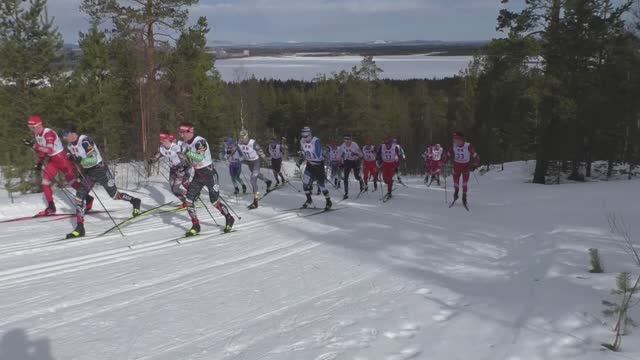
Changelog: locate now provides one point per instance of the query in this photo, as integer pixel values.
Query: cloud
(324, 20)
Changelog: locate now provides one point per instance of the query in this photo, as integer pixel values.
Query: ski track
(401, 280)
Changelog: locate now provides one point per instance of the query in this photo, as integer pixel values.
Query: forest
(560, 86)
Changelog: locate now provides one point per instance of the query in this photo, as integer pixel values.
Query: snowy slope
(409, 279)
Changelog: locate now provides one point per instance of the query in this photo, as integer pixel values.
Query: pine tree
(29, 44)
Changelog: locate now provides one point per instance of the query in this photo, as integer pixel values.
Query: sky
(256, 21)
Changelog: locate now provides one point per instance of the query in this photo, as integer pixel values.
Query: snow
(408, 279)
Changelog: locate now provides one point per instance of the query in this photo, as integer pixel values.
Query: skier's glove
(38, 167)
(28, 142)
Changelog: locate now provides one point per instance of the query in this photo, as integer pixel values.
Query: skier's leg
(254, 176)
(49, 173)
(176, 179)
(347, 170)
(456, 181)
(307, 183)
(192, 194)
(465, 181)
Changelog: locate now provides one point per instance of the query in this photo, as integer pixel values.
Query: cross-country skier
(369, 164)
(434, 157)
(198, 152)
(253, 153)
(180, 170)
(351, 155)
(311, 149)
(401, 156)
(426, 156)
(462, 153)
(93, 170)
(335, 163)
(50, 152)
(388, 156)
(276, 153)
(233, 156)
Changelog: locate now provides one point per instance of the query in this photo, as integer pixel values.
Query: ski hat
(34, 120)
(347, 137)
(387, 140)
(305, 132)
(68, 129)
(172, 137)
(244, 133)
(367, 140)
(229, 141)
(458, 135)
(165, 136)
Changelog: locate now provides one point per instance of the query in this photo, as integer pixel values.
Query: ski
(32, 217)
(452, 203)
(208, 234)
(322, 211)
(128, 220)
(386, 198)
(68, 216)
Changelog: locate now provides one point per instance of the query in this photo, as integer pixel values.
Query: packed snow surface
(406, 279)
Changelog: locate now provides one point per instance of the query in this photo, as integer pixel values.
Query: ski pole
(230, 208)
(85, 182)
(446, 200)
(475, 177)
(209, 211)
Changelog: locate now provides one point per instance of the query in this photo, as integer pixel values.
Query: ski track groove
(271, 253)
(241, 322)
(130, 230)
(20, 275)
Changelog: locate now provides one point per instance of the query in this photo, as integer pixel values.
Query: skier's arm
(474, 155)
(50, 138)
(259, 150)
(155, 157)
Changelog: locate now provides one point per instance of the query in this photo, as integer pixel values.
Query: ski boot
(335, 183)
(76, 233)
(50, 210)
(307, 204)
(345, 197)
(88, 203)
(464, 200)
(455, 195)
(269, 182)
(229, 220)
(277, 182)
(375, 186)
(236, 191)
(195, 230)
(136, 207)
(366, 188)
(254, 204)
(328, 204)
(244, 189)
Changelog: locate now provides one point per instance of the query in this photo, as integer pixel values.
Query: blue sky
(325, 20)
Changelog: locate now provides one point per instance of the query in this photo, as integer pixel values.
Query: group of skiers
(191, 167)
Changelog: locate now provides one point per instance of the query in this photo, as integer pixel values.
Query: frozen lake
(308, 67)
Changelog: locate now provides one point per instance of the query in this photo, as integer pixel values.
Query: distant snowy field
(408, 279)
(308, 67)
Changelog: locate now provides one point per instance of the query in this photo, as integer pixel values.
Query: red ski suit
(49, 149)
(461, 156)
